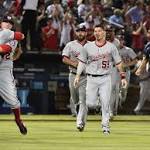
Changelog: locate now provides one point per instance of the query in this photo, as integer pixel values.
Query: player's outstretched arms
(4, 48)
(18, 36)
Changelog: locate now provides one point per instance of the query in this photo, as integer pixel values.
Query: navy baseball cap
(109, 28)
(80, 28)
(8, 19)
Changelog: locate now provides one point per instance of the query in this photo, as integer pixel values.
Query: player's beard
(81, 38)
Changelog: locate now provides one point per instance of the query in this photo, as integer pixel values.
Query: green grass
(58, 132)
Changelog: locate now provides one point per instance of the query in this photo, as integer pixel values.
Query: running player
(7, 85)
(98, 57)
(141, 70)
(110, 36)
(129, 59)
(144, 83)
(71, 52)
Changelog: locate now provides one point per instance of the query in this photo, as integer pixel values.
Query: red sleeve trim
(122, 75)
(65, 56)
(82, 61)
(5, 48)
(18, 36)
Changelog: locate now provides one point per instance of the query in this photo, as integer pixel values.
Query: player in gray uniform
(144, 83)
(110, 36)
(70, 54)
(98, 57)
(129, 59)
(7, 85)
(141, 71)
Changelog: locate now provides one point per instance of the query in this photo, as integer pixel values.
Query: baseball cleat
(80, 127)
(22, 127)
(106, 132)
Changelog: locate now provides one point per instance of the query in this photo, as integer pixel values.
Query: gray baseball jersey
(7, 84)
(127, 54)
(72, 50)
(6, 35)
(116, 42)
(99, 59)
(7, 60)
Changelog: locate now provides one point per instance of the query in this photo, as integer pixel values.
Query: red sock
(17, 113)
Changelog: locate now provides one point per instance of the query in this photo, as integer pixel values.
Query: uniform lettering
(76, 53)
(6, 56)
(105, 64)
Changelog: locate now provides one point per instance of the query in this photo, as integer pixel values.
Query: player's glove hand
(124, 83)
(76, 81)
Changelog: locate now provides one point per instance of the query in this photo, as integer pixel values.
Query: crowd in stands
(50, 24)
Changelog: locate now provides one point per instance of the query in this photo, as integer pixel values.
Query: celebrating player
(7, 85)
(98, 57)
(144, 76)
(71, 52)
(115, 80)
(146, 57)
(129, 59)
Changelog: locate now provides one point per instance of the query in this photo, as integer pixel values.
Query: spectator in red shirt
(138, 35)
(50, 36)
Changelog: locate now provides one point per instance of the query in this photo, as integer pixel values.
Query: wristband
(5, 48)
(18, 36)
(122, 75)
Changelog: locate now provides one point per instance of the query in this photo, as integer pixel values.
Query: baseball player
(73, 107)
(110, 36)
(129, 59)
(144, 83)
(70, 54)
(98, 57)
(141, 70)
(7, 85)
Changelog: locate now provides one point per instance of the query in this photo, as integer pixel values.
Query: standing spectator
(82, 11)
(67, 29)
(117, 17)
(138, 36)
(41, 22)
(89, 24)
(28, 23)
(56, 11)
(135, 14)
(97, 57)
(50, 36)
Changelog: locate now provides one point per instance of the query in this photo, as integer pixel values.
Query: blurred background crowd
(50, 24)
